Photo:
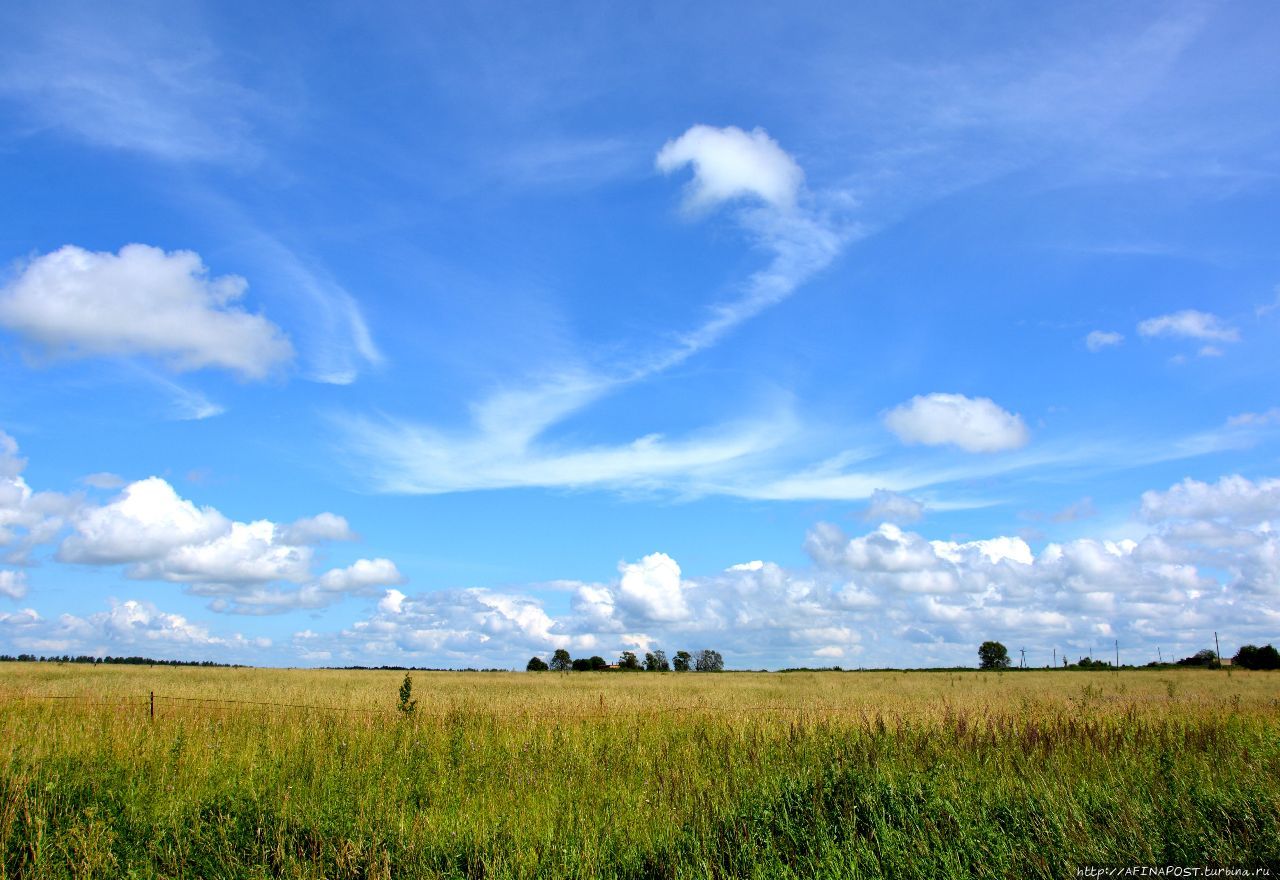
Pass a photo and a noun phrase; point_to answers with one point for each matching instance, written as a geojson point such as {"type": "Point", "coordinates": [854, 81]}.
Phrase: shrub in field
{"type": "Point", "coordinates": [993, 655]}
{"type": "Point", "coordinates": [1253, 657]}
{"type": "Point", "coordinates": [536, 664]}
{"type": "Point", "coordinates": [1205, 657]}
{"type": "Point", "coordinates": [1089, 663]}
{"type": "Point", "coordinates": [407, 703]}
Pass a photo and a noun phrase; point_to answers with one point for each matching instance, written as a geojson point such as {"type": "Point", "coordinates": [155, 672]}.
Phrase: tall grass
{"type": "Point", "coordinates": [615, 775]}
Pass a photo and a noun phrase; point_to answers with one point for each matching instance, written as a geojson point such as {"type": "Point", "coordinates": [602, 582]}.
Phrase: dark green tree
{"type": "Point", "coordinates": [993, 655]}
{"type": "Point", "coordinates": [627, 660]}
{"type": "Point", "coordinates": [581, 664]}
{"type": "Point", "coordinates": [708, 660]}
{"type": "Point", "coordinates": [1253, 657]}
{"type": "Point", "coordinates": [536, 664]}
{"type": "Point", "coordinates": [656, 661]}
{"type": "Point", "coordinates": [561, 661]}
{"type": "Point", "coordinates": [683, 661]}
{"type": "Point", "coordinates": [597, 663]}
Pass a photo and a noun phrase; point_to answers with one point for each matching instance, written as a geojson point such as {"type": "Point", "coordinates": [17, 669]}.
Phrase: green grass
{"type": "Point", "coordinates": [615, 775]}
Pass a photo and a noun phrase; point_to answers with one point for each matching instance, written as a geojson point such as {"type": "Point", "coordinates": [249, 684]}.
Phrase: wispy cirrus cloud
{"type": "Point", "coordinates": [506, 443]}
{"type": "Point", "coordinates": [129, 80]}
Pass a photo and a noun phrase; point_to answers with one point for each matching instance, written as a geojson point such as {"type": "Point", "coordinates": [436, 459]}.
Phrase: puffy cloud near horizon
{"type": "Point", "coordinates": [1233, 498]}
{"type": "Point", "coordinates": [730, 163]}
{"type": "Point", "coordinates": [161, 536]}
{"type": "Point", "coordinates": [141, 301]}
{"type": "Point", "coordinates": [128, 627]}
{"type": "Point", "coordinates": [975, 424]}
{"type": "Point", "coordinates": [887, 597]}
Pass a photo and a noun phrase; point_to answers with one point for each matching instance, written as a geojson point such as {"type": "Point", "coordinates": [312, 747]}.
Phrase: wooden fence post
{"type": "Point", "coordinates": [153, 705]}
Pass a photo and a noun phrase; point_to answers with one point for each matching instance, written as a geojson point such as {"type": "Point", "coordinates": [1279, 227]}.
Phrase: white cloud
{"type": "Point", "coordinates": [505, 445]}
{"type": "Point", "coordinates": [146, 521]}
{"type": "Point", "coordinates": [886, 597]}
{"type": "Point", "coordinates": [1233, 499]}
{"type": "Point", "coordinates": [1189, 324]}
{"type": "Point", "coordinates": [74, 302]}
{"type": "Point", "coordinates": [27, 518]}
{"type": "Point", "coordinates": [248, 567]}
{"type": "Point", "coordinates": [391, 602]}
{"type": "Point", "coordinates": [975, 424]}
{"type": "Point", "coordinates": [886, 506]}
{"type": "Point", "coordinates": [13, 584]}
{"type": "Point", "coordinates": [246, 553]}
{"type": "Point", "coordinates": [729, 163]}
{"type": "Point", "coordinates": [1258, 419]}
{"type": "Point", "coordinates": [128, 627]}
{"type": "Point", "coordinates": [1097, 340]}
{"type": "Point", "coordinates": [314, 529]}
{"type": "Point", "coordinates": [361, 576]}
{"type": "Point", "coordinates": [651, 589]}
{"type": "Point", "coordinates": [129, 81]}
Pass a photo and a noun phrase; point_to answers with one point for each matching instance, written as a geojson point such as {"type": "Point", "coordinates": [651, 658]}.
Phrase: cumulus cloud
{"type": "Point", "coordinates": [887, 597]}
{"type": "Point", "coordinates": [975, 424]}
{"type": "Point", "coordinates": [128, 627]}
{"type": "Point", "coordinates": [141, 301]}
{"type": "Point", "coordinates": [13, 584]}
{"type": "Point", "coordinates": [651, 588]}
{"type": "Point", "coordinates": [886, 506]}
{"type": "Point", "coordinates": [1233, 499]}
{"type": "Point", "coordinates": [361, 576]}
{"type": "Point", "coordinates": [1189, 324]}
{"type": "Point", "coordinates": [1097, 340]}
{"type": "Point", "coordinates": [27, 518]}
{"type": "Point", "coordinates": [313, 529]}
{"type": "Point", "coordinates": [147, 520]}
{"type": "Point", "coordinates": [729, 163]}
{"type": "Point", "coordinates": [254, 567]}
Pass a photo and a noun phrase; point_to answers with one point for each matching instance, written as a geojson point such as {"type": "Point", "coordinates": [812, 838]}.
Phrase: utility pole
{"type": "Point", "coordinates": [1117, 653]}
{"type": "Point", "coordinates": [1055, 658]}
{"type": "Point", "coordinates": [1216, 649]}
{"type": "Point", "coordinates": [1159, 657]}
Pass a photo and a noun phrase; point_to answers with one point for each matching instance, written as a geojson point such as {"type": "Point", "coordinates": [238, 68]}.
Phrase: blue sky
{"type": "Point", "coordinates": [445, 336]}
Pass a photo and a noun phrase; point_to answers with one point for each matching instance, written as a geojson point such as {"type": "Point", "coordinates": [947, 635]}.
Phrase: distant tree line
{"type": "Point", "coordinates": [993, 655]}
{"type": "Point", "coordinates": [705, 660]}
{"type": "Point", "coordinates": [123, 661]}
{"type": "Point", "coordinates": [1253, 657]}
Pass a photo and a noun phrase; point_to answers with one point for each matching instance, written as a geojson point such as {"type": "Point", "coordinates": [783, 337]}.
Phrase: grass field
{"type": "Point", "coordinates": [918, 774]}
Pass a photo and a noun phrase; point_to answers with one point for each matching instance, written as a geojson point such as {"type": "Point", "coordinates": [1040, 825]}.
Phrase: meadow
{"type": "Point", "coordinates": [644, 775]}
